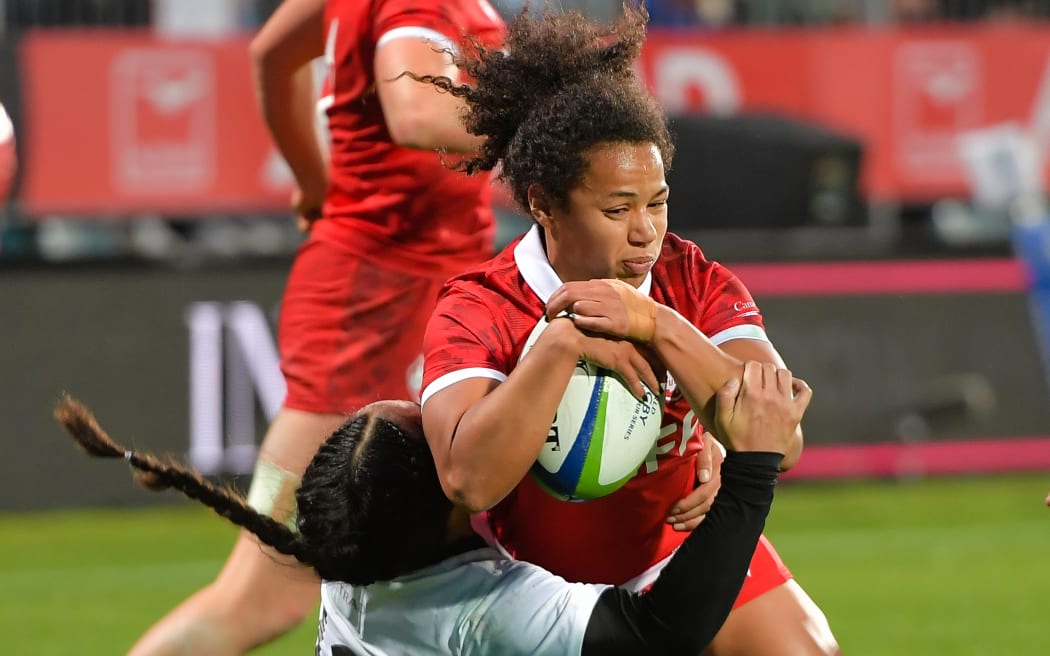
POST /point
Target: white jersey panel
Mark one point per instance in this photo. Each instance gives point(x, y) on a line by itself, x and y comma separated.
point(475, 604)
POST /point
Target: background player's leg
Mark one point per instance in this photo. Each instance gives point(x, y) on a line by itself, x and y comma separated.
point(782, 622)
point(259, 594)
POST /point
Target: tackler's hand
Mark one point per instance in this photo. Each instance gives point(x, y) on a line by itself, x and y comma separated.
point(762, 411)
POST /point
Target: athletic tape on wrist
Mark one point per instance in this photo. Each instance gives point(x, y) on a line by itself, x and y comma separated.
point(272, 493)
point(641, 311)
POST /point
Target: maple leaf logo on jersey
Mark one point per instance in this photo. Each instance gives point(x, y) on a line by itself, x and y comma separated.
point(671, 391)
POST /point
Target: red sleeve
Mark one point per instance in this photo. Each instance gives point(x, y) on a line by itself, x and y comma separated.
point(728, 302)
point(706, 293)
point(391, 14)
point(462, 334)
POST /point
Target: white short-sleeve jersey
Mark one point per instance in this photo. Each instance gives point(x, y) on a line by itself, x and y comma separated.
point(474, 604)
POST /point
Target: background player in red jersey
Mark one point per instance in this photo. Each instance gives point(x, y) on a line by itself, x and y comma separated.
point(395, 223)
point(584, 149)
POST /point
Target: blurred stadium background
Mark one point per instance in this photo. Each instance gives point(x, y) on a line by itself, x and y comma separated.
point(874, 170)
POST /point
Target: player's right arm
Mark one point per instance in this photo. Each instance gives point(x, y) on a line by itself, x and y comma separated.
point(281, 54)
point(485, 433)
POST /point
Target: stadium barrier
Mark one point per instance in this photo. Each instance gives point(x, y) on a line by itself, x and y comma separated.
point(918, 368)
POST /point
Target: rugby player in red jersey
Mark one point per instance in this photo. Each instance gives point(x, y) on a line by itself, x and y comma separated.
point(584, 150)
point(388, 222)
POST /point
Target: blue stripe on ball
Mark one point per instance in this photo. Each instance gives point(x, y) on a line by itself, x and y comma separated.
point(564, 481)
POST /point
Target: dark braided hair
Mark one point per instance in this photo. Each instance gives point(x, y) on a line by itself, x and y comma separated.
point(370, 504)
point(561, 86)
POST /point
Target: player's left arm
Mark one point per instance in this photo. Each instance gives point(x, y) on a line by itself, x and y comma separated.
point(699, 367)
point(694, 383)
point(616, 309)
point(762, 351)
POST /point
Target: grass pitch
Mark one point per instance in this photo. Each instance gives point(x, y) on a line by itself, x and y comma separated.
point(952, 567)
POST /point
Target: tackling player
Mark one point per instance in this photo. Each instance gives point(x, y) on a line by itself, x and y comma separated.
point(404, 573)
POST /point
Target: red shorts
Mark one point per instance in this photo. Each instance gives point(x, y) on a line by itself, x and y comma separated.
point(351, 330)
point(766, 572)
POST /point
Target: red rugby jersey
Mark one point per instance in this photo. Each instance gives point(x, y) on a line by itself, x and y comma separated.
point(382, 198)
point(481, 323)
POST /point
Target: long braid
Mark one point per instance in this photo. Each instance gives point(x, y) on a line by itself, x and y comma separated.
point(157, 474)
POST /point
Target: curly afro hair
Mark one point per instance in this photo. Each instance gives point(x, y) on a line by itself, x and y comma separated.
point(561, 86)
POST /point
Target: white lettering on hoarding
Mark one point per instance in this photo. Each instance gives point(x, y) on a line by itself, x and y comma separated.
point(204, 321)
point(162, 108)
point(678, 72)
point(233, 361)
point(937, 94)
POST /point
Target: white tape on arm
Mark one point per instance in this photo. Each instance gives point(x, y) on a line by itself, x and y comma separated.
point(272, 493)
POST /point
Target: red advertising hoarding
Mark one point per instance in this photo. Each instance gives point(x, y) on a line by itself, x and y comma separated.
point(123, 122)
point(906, 94)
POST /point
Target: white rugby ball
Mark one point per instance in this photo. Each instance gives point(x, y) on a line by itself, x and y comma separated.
point(600, 436)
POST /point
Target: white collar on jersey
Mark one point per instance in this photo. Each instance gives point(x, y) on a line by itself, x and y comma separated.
point(537, 271)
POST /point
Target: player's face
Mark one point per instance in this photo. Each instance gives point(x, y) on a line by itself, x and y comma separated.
point(615, 220)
